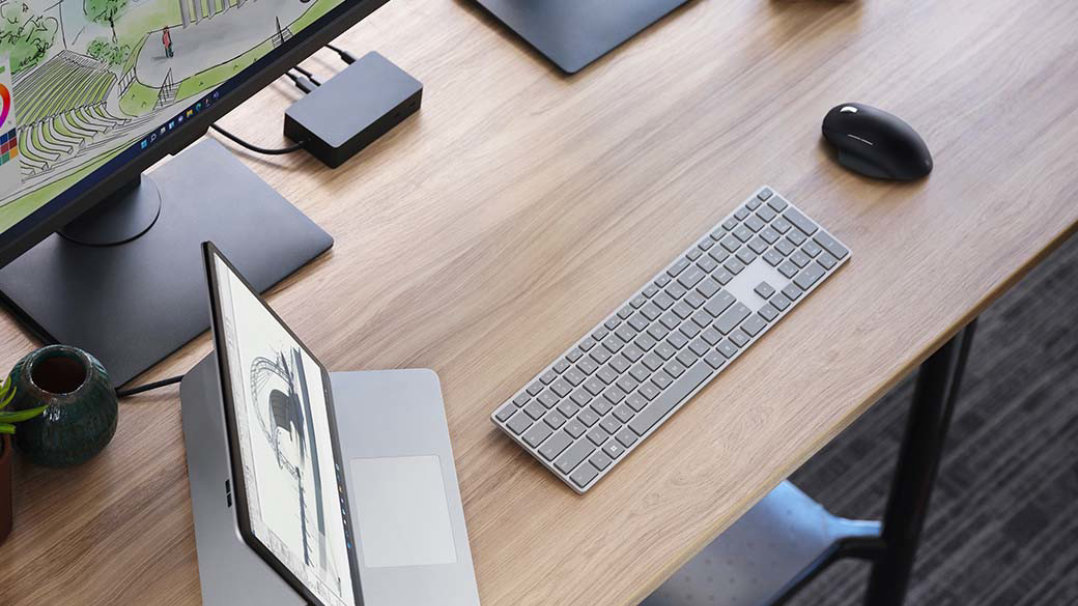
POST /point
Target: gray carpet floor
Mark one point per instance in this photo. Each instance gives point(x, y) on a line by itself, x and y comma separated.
point(1003, 527)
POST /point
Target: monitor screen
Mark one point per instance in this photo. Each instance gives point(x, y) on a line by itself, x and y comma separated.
point(291, 499)
point(82, 82)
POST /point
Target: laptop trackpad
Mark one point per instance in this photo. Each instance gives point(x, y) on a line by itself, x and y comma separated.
point(402, 510)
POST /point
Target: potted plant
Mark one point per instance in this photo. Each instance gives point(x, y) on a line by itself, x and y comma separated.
point(8, 418)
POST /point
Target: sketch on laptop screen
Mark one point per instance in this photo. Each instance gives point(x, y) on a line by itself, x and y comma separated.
point(285, 445)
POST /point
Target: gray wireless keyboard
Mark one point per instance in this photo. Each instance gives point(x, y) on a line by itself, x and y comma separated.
point(609, 391)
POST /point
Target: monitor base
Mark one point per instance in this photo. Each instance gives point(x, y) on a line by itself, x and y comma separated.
point(133, 304)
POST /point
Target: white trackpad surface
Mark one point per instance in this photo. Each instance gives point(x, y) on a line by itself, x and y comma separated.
point(402, 511)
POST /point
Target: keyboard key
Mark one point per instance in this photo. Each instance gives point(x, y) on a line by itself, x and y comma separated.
point(597, 436)
point(561, 366)
point(619, 364)
point(636, 401)
point(625, 312)
point(727, 348)
point(791, 291)
point(707, 264)
point(581, 397)
point(623, 413)
point(827, 260)
point(723, 276)
point(694, 254)
point(607, 374)
point(587, 417)
point(689, 329)
point(610, 425)
point(637, 301)
point(753, 325)
point(555, 419)
point(626, 333)
point(768, 313)
point(645, 342)
point(708, 287)
point(705, 243)
point(575, 376)
point(810, 248)
point(534, 410)
point(711, 335)
point(612, 449)
point(674, 368)
point(670, 398)
point(670, 320)
point(718, 254)
point(739, 338)
point(661, 380)
point(695, 299)
point(809, 276)
point(687, 357)
point(600, 461)
point(663, 300)
point(548, 398)
point(519, 422)
point(800, 259)
point(505, 412)
point(831, 245)
point(781, 225)
point(612, 323)
point(653, 361)
point(594, 386)
point(772, 257)
point(741, 213)
point(731, 243)
point(665, 351)
point(587, 365)
point(746, 256)
point(583, 475)
point(639, 322)
point(769, 235)
point(567, 408)
point(561, 387)
point(587, 343)
point(614, 394)
point(683, 310)
point(765, 214)
point(676, 291)
point(690, 278)
point(535, 436)
point(535, 388)
point(678, 267)
point(788, 269)
point(765, 193)
point(783, 246)
point(677, 340)
point(572, 457)
point(648, 390)
point(702, 318)
point(575, 429)
point(521, 399)
point(796, 237)
point(719, 303)
point(743, 233)
point(631, 353)
point(777, 203)
point(800, 221)
point(734, 266)
point(754, 223)
point(731, 318)
point(613, 343)
point(753, 203)
point(626, 437)
point(554, 445)
point(758, 245)
point(764, 289)
point(714, 360)
point(662, 280)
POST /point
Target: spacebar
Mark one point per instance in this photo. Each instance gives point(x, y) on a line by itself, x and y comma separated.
point(670, 397)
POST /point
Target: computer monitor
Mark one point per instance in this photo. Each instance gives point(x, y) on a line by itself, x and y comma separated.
point(93, 93)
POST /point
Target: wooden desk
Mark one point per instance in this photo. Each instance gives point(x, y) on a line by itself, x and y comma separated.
point(487, 233)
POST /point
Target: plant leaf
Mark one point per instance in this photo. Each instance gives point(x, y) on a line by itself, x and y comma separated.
point(6, 428)
point(7, 394)
point(21, 415)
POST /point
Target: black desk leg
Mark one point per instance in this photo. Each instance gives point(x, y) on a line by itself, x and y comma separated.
point(918, 464)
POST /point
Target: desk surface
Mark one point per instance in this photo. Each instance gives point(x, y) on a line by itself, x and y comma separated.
point(487, 233)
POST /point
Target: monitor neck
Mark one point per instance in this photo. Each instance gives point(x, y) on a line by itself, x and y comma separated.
point(120, 218)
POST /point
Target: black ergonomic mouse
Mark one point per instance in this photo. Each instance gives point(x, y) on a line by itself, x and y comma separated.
point(875, 143)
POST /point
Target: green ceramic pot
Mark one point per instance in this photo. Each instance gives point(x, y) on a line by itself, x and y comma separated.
point(82, 407)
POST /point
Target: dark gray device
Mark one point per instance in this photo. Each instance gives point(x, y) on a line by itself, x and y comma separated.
point(875, 143)
point(573, 33)
point(355, 107)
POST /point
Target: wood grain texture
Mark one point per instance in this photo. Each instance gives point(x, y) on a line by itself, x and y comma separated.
point(519, 206)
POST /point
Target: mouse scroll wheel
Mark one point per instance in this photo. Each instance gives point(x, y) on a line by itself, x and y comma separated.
point(849, 109)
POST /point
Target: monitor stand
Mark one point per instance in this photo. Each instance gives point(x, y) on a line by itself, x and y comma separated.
point(573, 33)
point(126, 281)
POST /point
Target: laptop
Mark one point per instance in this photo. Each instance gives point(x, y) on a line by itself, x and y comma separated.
point(332, 489)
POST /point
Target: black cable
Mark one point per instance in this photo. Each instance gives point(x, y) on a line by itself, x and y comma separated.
point(345, 56)
point(302, 82)
point(260, 150)
point(126, 393)
point(309, 75)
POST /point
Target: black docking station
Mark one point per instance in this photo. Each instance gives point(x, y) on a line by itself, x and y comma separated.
point(352, 109)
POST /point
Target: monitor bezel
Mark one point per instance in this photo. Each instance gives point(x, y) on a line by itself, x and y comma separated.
point(211, 254)
point(131, 162)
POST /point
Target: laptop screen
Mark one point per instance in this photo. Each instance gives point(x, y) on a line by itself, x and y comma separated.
point(289, 487)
